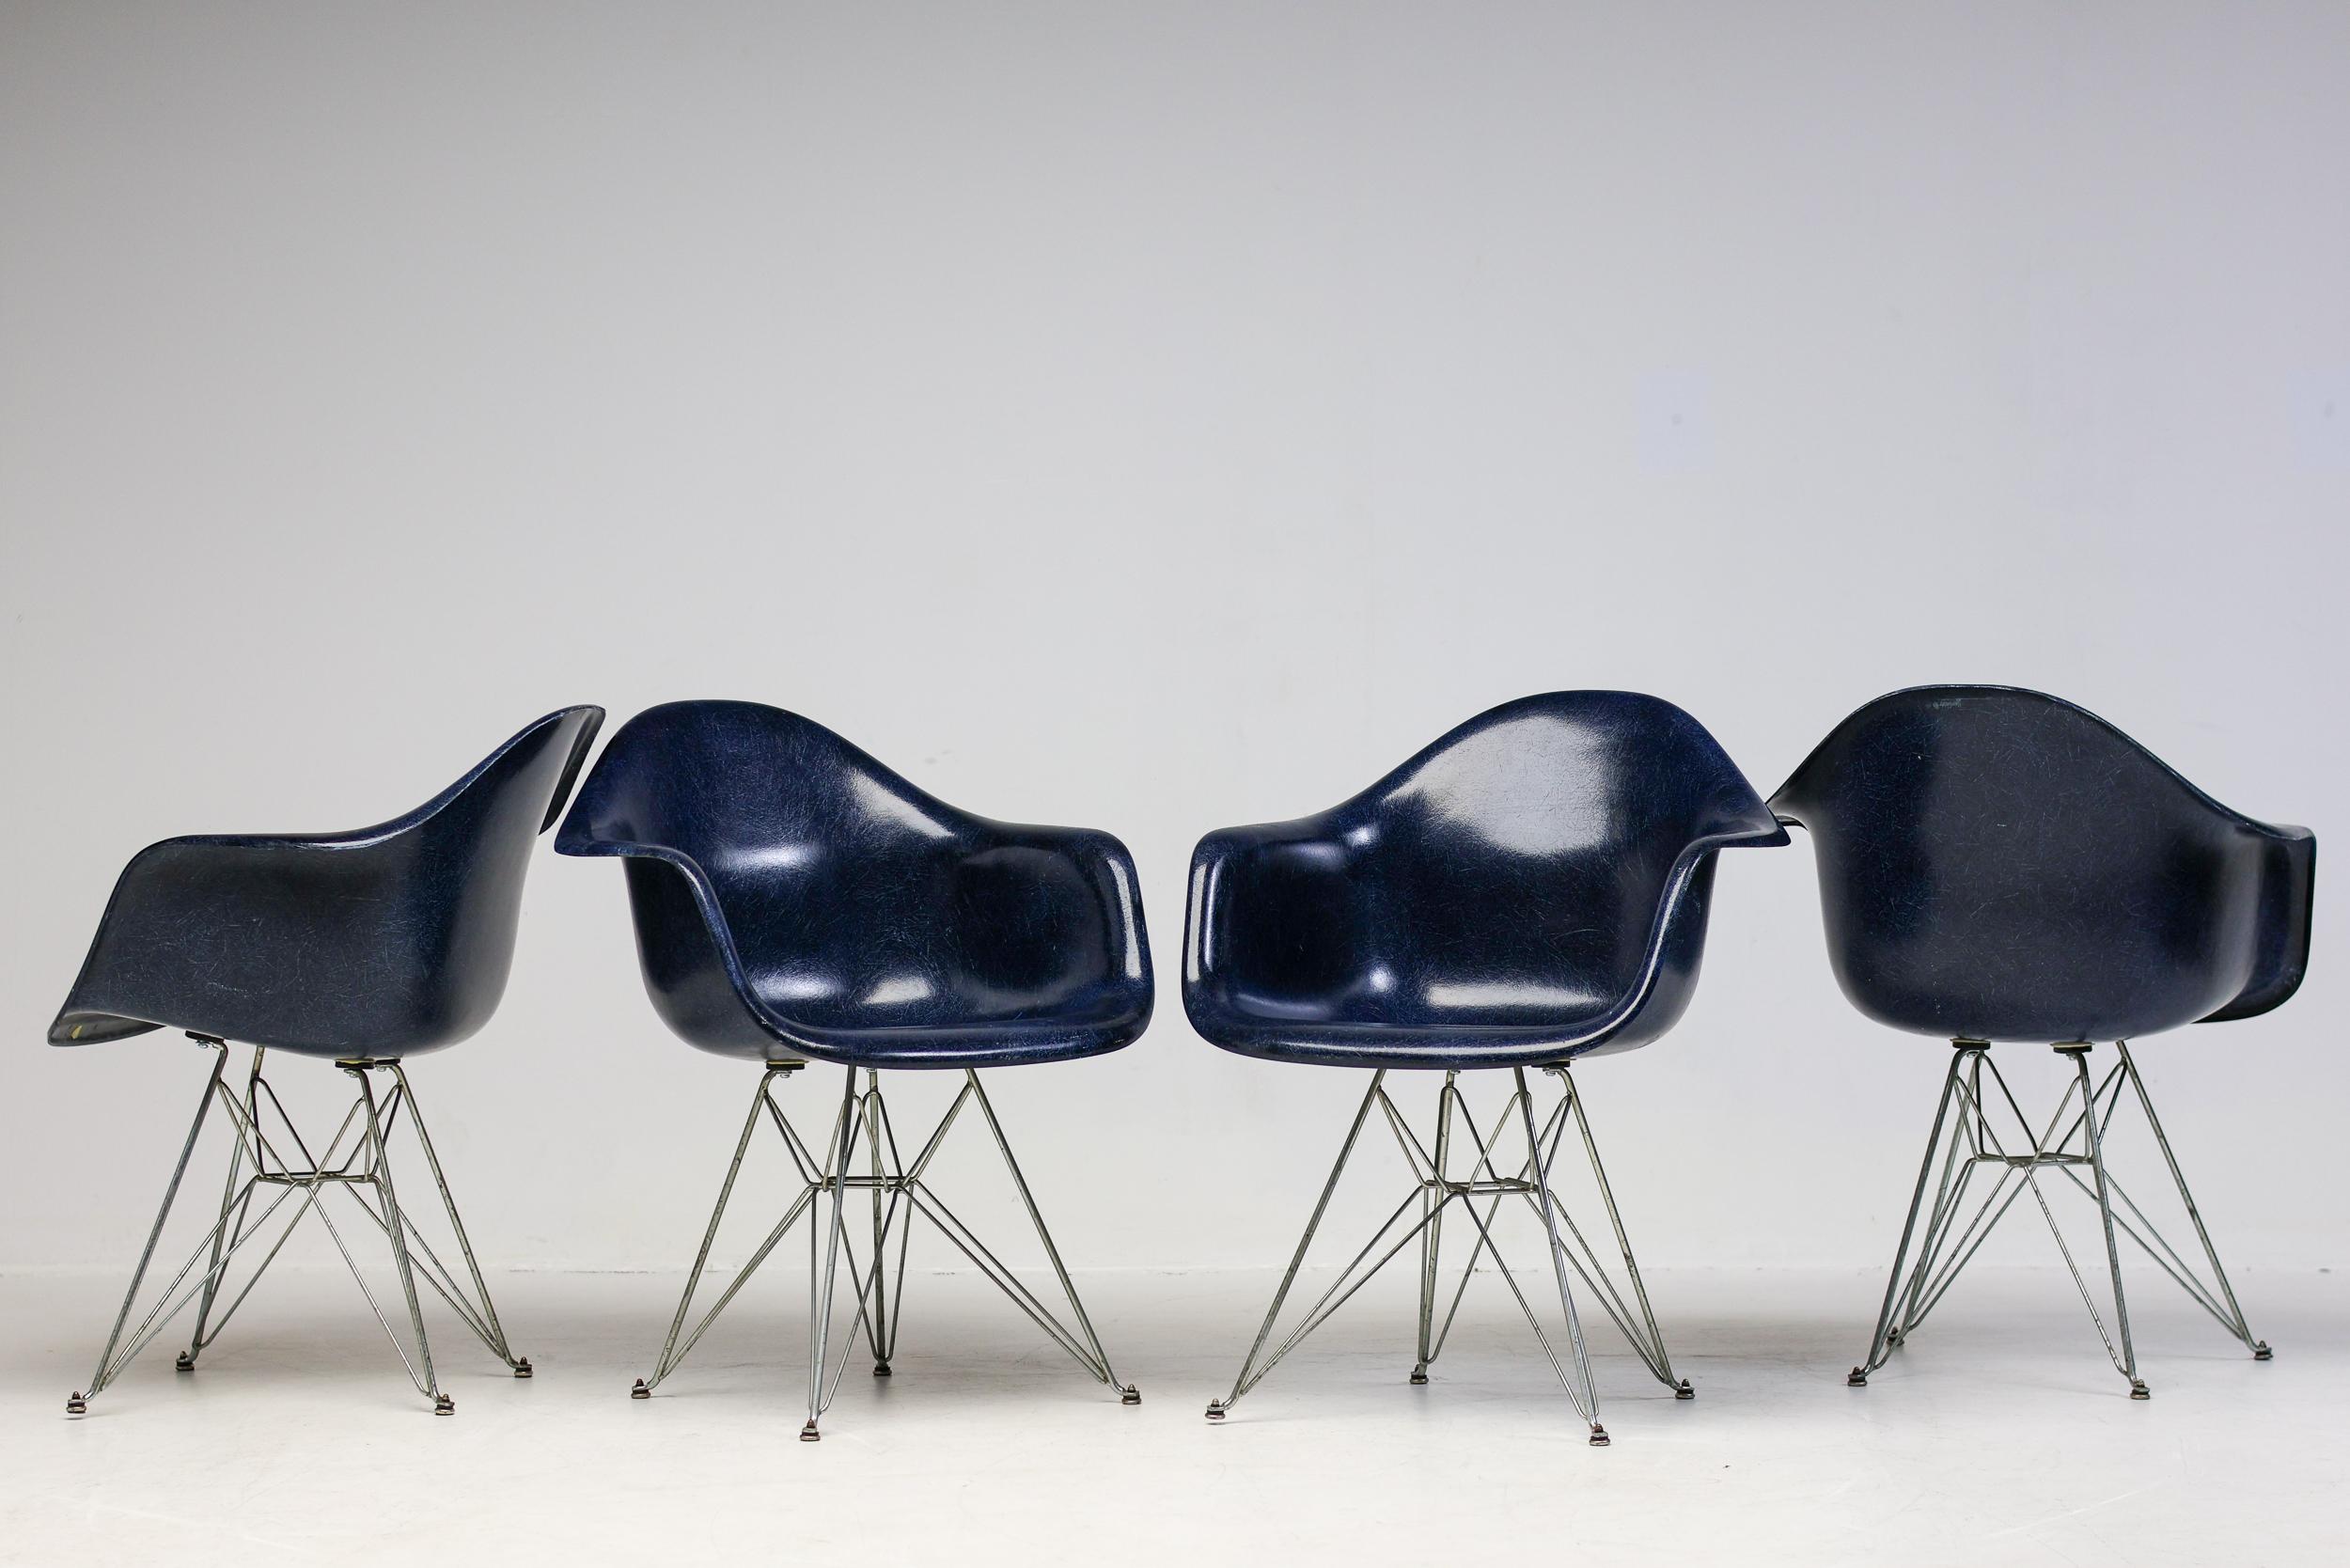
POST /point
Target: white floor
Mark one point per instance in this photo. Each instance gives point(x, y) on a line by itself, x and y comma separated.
point(2000, 1435)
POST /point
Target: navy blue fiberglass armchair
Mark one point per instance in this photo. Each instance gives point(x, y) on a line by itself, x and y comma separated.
point(362, 949)
point(1999, 864)
point(1529, 890)
point(796, 902)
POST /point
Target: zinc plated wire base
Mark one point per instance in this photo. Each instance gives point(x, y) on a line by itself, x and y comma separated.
point(1437, 1188)
point(1973, 1144)
point(897, 1191)
point(255, 1163)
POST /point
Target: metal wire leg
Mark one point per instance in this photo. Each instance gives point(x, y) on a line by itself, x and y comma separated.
point(2232, 1319)
point(396, 1226)
point(486, 1324)
point(671, 1350)
point(229, 1196)
point(1653, 1350)
point(1249, 1372)
point(1957, 1176)
point(820, 1295)
point(1879, 1343)
point(1099, 1363)
point(107, 1366)
point(880, 1326)
point(1431, 1204)
point(2127, 1360)
point(1587, 1399)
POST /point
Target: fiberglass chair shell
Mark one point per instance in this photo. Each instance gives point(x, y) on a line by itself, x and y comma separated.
point(362, 948)
point(1999, 864)
point(796, 900)
point(1528, 890)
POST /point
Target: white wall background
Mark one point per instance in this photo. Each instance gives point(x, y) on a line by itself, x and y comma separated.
point(1156, 418)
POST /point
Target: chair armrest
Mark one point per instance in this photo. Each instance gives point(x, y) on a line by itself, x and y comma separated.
point(2283, 860)
point(998, 881)
point(1302, 863)
point(684, 963)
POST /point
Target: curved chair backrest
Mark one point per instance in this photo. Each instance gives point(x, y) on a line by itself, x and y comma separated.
point(1998, 864)
point(1553, 852)
point(382, 942)
point(778, 873)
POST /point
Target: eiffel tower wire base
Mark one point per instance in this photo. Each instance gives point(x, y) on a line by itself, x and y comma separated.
point(1437, 1188)
point(258, 1165)
point(1967, 1140)
point(897, 1191)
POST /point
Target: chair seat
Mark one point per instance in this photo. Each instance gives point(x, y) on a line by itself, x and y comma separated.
point(1463, 1042)
point(947, 1045)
